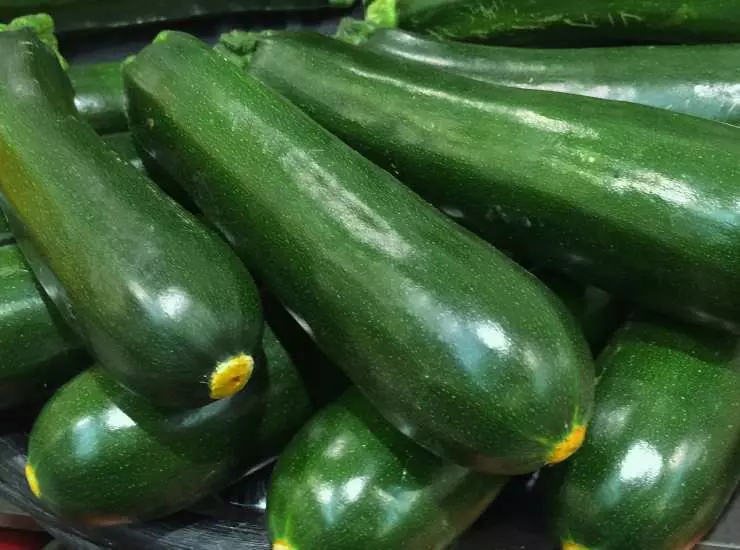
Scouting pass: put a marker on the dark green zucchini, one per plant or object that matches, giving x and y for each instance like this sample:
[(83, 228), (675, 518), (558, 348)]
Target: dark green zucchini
[(161, 301), (89, 15), (698, 80), (394, 292), (37, 351), (123, 144), (564, 22), (101, 454), (99, 95), (662, 456), (6, 235), (588, 187), (383, 490)]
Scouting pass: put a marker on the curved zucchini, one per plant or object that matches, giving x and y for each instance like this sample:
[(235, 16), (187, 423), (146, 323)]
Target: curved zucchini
[(100, 454), (395, 293), (580, 185), (162, 302), (662, 456), (697, 80), (564, 22), (89, 15), (99, 95), (383, 490), (37, 351)]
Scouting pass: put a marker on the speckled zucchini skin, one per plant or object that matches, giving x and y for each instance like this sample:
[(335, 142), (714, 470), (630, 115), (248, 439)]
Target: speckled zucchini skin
[(99, 95), (351, 480), (580, 185), (662, 456), (700, 80), (395, 293), (161, 301), (561, 22), (37, 351), (147, 462)]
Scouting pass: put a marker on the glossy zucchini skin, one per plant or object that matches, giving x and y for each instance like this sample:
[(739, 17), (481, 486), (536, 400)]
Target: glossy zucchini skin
[(395, 293), (99, 95), (349, 479), (100, 454), (38, 352), (89, 15), (123, 144), (161, 301), (564, 22), (576, 184), (700, 80), (662, 455)]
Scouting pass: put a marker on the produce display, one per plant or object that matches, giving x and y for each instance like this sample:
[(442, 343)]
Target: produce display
[(405, 262)]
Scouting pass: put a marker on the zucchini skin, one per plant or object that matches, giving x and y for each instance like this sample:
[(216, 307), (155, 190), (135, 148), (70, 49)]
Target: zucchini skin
[(661, 459), (649, 75), (563, 22), (419, 328), (38, 353), (579, 185), (160, 300), (383, 490), (99, 95), (148, 462), (88, 15)]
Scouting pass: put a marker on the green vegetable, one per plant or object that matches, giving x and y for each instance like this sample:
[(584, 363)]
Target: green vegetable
[(162, 302), (37, 351), (662, 455), (587, 187), (381, 488), (42, 26), (563, 22), (123, 144), (697, 80), (99, 95), (102, 455), (6, 236), (87, 15), (397, 295)]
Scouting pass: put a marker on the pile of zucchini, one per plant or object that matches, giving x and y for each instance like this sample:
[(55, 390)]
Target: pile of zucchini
[(408, 266)]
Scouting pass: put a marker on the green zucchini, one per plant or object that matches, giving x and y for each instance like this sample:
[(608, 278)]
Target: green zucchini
[(123, 144), (37, 351), (564, 22), (161, 301), (662, 456), (697, 80), (6, 235), (394, 293), (383, 490), (99, 95), (100, 454), (584, 186), (89, 15)]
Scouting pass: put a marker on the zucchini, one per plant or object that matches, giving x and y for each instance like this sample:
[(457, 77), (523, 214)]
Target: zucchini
[(162, 302), (38, 352), (123, 144), (662, 455), (6, 235), (563, 22), (394, 293), (89, 15), (580, 185), (699, 80), (100, 454), (99, 95), (383, 490)]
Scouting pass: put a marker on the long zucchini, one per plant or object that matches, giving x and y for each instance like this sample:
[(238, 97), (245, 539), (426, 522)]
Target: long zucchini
[(638, 201), (383, 490), (161, 301), (99, 95), (700, 80), (37, 351), (100, 454), (88, 15), (495, 376), (564, 22), (662, 456)]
